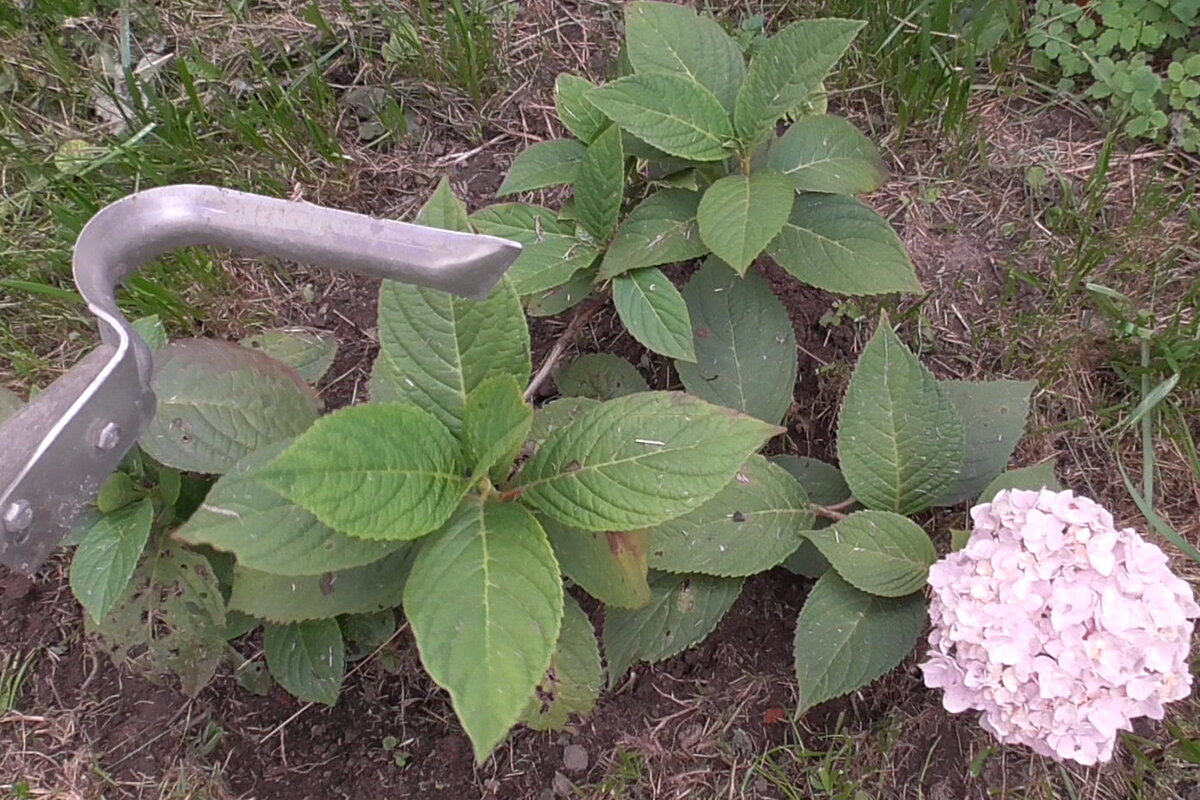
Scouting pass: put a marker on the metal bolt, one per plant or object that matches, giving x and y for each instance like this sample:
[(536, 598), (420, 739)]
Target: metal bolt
[(18, 516), (109, 436)]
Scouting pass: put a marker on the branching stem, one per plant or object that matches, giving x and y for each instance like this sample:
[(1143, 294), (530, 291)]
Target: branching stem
[(835, 511), (582, 314)]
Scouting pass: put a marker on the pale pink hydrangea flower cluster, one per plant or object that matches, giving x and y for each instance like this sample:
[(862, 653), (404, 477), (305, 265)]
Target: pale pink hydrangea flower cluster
[(1058, 627)]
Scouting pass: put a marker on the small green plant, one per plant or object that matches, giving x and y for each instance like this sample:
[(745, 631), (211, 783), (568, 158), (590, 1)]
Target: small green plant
[(680, 158), (449, 496), (1138, 58)]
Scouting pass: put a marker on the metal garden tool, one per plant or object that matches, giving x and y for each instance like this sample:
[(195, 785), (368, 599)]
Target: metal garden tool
[(57, 451)]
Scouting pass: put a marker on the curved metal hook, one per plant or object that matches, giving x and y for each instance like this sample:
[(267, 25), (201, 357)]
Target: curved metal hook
[(59, 449)]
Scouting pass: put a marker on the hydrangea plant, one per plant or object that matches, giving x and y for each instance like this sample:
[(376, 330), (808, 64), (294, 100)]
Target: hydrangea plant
[(1059, 627)]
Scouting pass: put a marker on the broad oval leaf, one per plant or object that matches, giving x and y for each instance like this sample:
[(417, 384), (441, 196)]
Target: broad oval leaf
[(993, 415), (485, 602), (600, 185), (745, 344), (683, 609), (825, 486), (789, 68), (496, 424), (900, 441), (267, 532), (662, 229), (739, 215), (822, 482), (664, 37), (828, 154), (436, 348), (105, 560), (9, 404), (878, 552), (152, 330), (846, 638), (837, 244), (551, 251), (178, 590), (572, 684), (444, 210), (557, 414), (552, 163), (639, 460), (752, 525), (553, 302), (611, 566), (654, 312), (1030, 479), (218, 402), (575, 111), (383, 471), (296, 598), (673, 113), (307, 658), (309, 352), (599, 376)]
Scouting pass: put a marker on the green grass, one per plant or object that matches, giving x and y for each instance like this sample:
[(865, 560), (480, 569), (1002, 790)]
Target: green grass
[(247, 95)]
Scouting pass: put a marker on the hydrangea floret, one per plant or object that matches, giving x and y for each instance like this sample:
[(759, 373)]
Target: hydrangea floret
[(1060, 628)]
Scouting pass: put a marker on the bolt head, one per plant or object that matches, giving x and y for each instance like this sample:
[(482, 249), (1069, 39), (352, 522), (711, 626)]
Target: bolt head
[(109, 436), (18, 516)]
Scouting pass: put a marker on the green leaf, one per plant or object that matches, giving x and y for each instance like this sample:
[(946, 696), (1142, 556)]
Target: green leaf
[(552, 163), (822, 482), (572, 684), (752, 525), (599, 376), (788, 69), (825, 487), (739, 215), (683, 609), (382, 471), (639, 460), (878, 552), (444, 210), (611, 566), (307, 351), (297, 598), (485, 602), (745, 345), (436, 348), (900, 440), (105, 560), (178, 591), (662, 229), (575, 111), (993, 415), (495, 425), (364, 633), (673, 113), (219, 402), (846, 638), (828, 154), (552, 253), (663, 37), (152, 331), (1030, 479), (654, 312), (837, 244), (553, 302), (9, 404), (557, 414), (119, 491), (267, 532), (307, 658), (600, 186)]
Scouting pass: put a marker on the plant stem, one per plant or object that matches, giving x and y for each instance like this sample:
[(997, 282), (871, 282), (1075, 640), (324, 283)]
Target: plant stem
[(582, 314), (828, 512)]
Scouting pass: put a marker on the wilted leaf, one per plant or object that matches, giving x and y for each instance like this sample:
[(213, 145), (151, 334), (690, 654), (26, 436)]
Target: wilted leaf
[(572, 684)]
